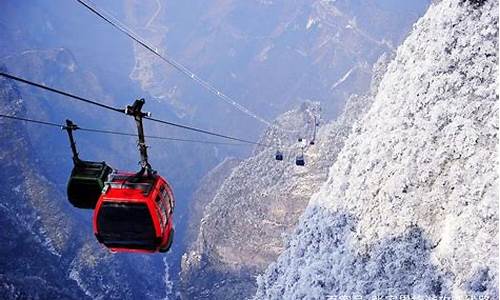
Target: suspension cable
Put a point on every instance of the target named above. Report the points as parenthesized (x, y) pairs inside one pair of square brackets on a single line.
[(99, 104), (53, 90), (109, 18), (112, 132)]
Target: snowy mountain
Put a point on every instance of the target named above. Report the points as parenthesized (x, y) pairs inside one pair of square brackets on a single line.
[(243, 223), (24, 230), (269, 55), (410, 207), (398, 195), (206, 191)]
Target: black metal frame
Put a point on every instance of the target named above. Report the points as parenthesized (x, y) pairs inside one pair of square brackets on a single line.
[(135, 110), (87, 177), (70, 127)]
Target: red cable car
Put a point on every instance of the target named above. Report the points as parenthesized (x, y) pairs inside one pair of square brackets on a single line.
[(135, 214), (135, 210)]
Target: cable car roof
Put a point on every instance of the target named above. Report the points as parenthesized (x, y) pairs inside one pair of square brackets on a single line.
[(129, 184)]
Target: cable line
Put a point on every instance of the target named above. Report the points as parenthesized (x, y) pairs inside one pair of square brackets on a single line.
[(111, 132), (158, 137), (53, 90), (32, 121), (93, 102), (107, 17), (202, 131)]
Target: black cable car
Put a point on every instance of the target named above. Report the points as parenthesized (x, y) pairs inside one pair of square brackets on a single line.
[(316, 124), (299, 160), (279, 155), (87, 177)]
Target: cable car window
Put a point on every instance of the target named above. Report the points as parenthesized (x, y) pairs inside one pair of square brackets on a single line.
[(162, 209), (129, 182), (167, 197), (126, 225)]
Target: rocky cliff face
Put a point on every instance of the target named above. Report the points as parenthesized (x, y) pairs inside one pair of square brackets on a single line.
[(243, 225), (24, 229), (410, 207), (207, 190)]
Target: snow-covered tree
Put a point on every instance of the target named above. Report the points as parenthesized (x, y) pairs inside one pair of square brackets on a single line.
[(410, 208)]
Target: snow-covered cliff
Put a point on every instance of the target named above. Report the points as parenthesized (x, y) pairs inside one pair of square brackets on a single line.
[(411, 204), (261, 199)]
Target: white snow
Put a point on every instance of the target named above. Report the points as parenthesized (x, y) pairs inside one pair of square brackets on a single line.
[(410, 208), (263, 55), (169, 285), (311, 22), (17, 189), (72, 67), (343, 78), (75, 275)]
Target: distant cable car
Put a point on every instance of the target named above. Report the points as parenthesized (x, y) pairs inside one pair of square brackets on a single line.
[(299, 160), (316, 124), (279, 155), (135, 210), (302, 142), (87, 177)]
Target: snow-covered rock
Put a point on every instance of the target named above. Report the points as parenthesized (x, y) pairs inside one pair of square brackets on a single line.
[(261, 199), (411, 204)]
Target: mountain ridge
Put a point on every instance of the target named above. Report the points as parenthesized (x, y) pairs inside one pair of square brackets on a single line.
[(262, 199), (410, 206)]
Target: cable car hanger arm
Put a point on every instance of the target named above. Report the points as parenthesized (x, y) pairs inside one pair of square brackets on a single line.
[(70, 126), (135, 110)]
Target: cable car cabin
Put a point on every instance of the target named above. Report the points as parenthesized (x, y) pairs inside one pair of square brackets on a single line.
[(135, 214), (86, 183), (299, 160), (278, 155)]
